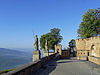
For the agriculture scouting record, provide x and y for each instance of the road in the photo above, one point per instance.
(69, 67)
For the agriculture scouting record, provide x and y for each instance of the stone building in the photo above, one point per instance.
(88, 49)
(63, 53)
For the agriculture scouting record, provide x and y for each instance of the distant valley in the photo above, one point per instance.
(14, 58)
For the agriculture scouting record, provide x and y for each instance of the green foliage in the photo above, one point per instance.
(88, 26)
(72, 44)
(5, 71)
(53, 38)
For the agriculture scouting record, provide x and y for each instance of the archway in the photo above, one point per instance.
(58, 49)
(93, 49)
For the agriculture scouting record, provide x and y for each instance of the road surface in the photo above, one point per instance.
(69, 67)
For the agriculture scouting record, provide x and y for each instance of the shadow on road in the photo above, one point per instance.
(47, 68)
(50, 67)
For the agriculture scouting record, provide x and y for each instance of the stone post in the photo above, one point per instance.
(55, 48)
(36, 52)
(46, 50)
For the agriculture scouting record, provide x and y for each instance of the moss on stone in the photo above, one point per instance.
(5, 71)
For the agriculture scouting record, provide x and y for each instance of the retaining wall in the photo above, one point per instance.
(94, 59)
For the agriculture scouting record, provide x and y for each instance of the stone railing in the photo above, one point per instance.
(94, 59)
(31, 68)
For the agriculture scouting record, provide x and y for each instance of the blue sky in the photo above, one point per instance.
(19, 18)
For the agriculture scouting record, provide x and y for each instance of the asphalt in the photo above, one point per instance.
(69, 67)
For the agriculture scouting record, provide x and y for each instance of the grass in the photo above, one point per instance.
(5, 71)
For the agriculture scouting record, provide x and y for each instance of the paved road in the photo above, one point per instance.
(69, 67)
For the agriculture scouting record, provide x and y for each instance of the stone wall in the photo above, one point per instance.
(65, 54)
(94, 59)
(89, 44)
(88, 47)
(31, 68)
(58, 47)
(62, 53)
(82, 54)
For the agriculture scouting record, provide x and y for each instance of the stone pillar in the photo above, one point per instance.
(60, 49)
(36, 52)
(45, 53)
(55, 48)
(36, 55)
(46, 50)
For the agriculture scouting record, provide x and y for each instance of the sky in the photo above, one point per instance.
(19, 19)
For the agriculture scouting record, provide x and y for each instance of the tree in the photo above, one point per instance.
(89, 24)
(72, 45)
(53, 38)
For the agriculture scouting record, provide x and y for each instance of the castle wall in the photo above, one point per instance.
(58, 47)
(87, 44)
(80, 44)
(88, 48)
(62, 53)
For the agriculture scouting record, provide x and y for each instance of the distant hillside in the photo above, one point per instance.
(13, 58)
(9, 52)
